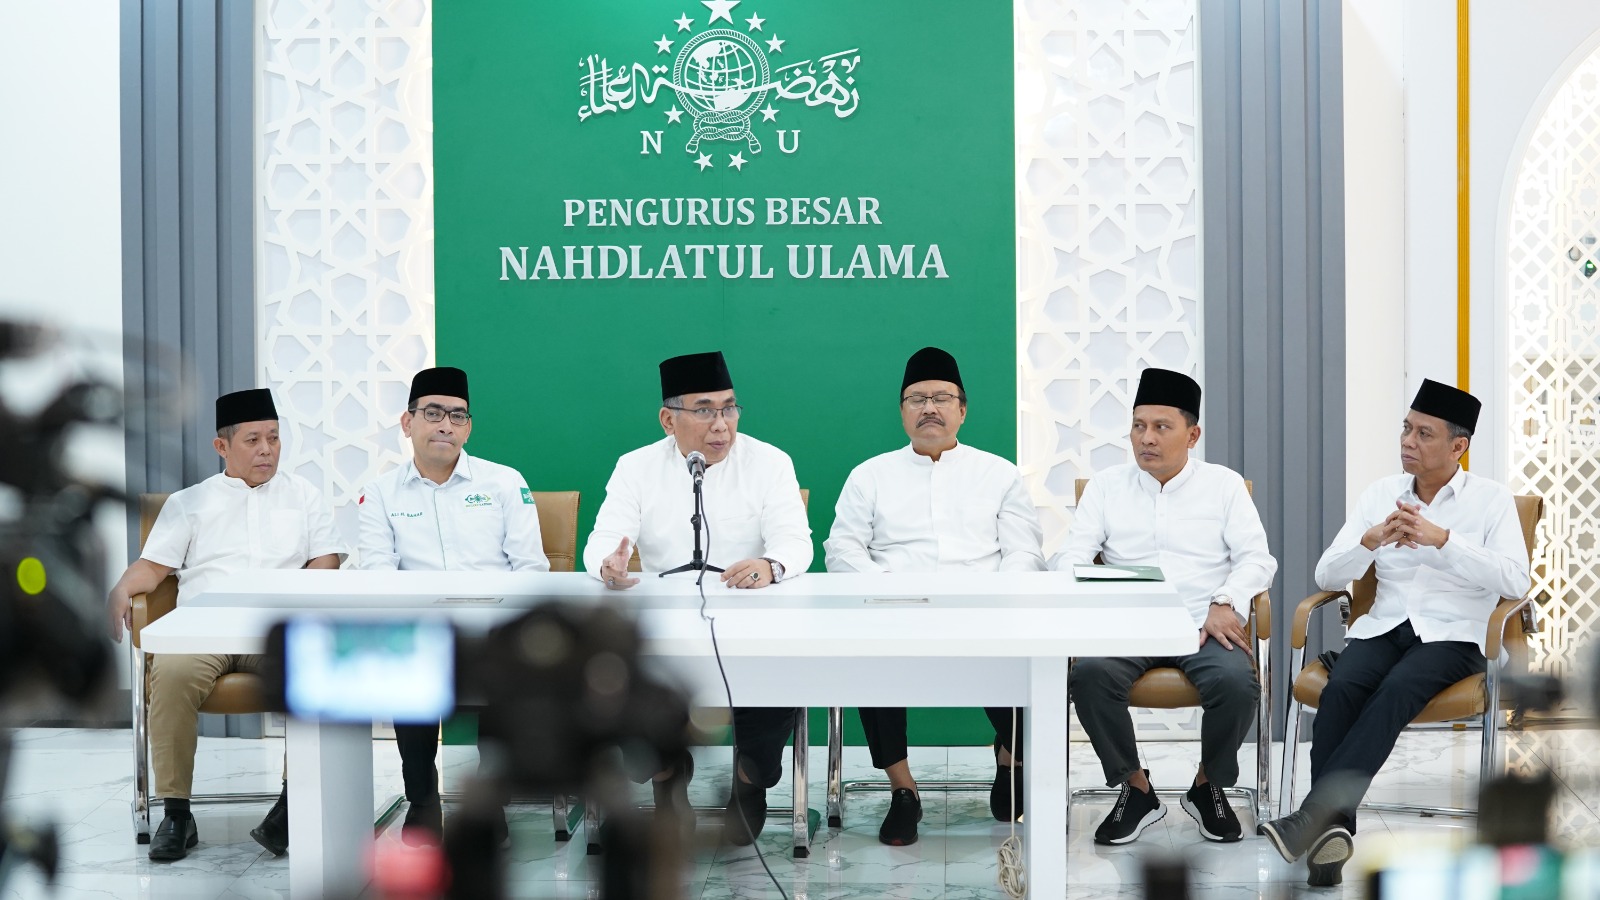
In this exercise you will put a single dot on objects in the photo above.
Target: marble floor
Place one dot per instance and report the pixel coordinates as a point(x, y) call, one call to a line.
point(80, 780)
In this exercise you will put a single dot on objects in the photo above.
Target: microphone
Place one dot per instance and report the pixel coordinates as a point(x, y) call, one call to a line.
point(697, 465)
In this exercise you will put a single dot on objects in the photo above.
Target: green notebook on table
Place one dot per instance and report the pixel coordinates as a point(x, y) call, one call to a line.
point(1117, 573)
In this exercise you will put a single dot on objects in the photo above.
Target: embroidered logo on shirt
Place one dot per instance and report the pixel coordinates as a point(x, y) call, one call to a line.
point(476, 499)
point(405, 515)
point(527, 497)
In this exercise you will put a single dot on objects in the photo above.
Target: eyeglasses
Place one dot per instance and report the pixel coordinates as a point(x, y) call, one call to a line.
point(941, 400)
point(709, 413)
point(437, 414)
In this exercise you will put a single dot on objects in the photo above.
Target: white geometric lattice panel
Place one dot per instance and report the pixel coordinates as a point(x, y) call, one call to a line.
point(1108, 228)
point(1554, 265)
point(344, 227)
point(1107, 238)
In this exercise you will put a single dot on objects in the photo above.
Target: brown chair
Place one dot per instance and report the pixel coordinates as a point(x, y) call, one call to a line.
point(1168, 688)
point(558, 527)
point(236, 693)
point(1477, 696)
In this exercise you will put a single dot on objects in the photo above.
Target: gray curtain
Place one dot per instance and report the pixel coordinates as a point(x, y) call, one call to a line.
point(188, 306)
point(1272, 176)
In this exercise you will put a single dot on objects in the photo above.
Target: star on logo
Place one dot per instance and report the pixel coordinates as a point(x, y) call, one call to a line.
point(720, 9)
point(704, 162)
point(755, 22)
point(736, 161)
point(664, 45)
point(769, 114)
point(674, 114)
point(775, 44)
point(683, 22)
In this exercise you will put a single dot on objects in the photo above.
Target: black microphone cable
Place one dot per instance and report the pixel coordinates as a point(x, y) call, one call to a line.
point(733, 788)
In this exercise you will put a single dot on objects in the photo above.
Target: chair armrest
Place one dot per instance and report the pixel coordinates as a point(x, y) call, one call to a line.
point(1503, 612)
point(141, 617)
point(1302, 614)
point(1261, 612)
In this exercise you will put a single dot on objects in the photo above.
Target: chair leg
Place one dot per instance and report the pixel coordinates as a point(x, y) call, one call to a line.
point(835, 767)
point(1263, 810)
point(141, 749)
point(1489, 763)
point(1291, 740)
point(800, 817)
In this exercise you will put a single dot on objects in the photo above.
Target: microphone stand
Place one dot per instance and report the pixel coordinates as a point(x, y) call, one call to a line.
point(698, 562)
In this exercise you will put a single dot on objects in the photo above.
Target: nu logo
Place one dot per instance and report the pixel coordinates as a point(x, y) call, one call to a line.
point(722, 78)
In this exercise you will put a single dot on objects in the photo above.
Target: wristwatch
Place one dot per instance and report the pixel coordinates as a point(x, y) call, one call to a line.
point(777, 569)
point(1222, 600)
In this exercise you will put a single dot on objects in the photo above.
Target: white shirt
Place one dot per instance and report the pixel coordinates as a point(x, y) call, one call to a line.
point(222, 526)
point(1201, 528)
point(752, 505)
point(1447, 592)
point(902, 512)
point(482, 518)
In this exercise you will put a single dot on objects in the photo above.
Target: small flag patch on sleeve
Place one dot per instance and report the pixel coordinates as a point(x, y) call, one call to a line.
point(527, 496)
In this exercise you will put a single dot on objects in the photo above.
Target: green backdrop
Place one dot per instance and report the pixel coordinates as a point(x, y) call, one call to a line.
point(554, 121)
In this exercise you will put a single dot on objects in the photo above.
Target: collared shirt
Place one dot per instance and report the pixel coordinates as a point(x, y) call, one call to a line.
point(481, 519)
point(222, 525)
point(1201, 528)
point(752, 506)
point(1447, 592)
point(902, 512)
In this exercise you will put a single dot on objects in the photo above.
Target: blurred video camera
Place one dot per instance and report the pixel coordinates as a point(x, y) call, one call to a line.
point(52, 563)
point(565, 707)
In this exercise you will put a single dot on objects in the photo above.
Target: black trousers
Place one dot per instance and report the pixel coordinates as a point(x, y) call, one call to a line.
point(886, 732)
point(759, 734)
point(1374, 691)
point(419, 749)
point(1229, 692)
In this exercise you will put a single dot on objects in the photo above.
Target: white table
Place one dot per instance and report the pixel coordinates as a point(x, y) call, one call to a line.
point(953, 639)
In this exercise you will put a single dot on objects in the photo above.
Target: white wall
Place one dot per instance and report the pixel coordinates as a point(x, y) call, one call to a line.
point(1401, 196)
point(1375, 241)
point(60, 203)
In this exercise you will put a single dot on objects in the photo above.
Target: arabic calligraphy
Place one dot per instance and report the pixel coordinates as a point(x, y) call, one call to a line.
point(613, 90)
point(799, 81)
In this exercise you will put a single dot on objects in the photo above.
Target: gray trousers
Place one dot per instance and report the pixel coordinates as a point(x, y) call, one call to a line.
point(1226, 680)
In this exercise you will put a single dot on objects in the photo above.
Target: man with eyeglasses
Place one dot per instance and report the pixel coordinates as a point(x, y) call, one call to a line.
point(756, 531)
point(935, 505)
point(443, 510)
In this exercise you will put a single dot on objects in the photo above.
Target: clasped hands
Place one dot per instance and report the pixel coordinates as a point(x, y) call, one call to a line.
point(1405, 527)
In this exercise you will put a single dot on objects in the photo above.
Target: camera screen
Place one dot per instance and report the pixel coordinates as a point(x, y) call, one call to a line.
point(369, 671)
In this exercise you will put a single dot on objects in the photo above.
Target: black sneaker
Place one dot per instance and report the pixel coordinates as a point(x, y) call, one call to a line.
point(1327, 856)
point(1292, 834)
point(273, 832)
point(424, 824)
point(1208, 807)
point(746, 814)
point(1004, 802)
point(1134, 811)
point(174, 837)
point(899, 827)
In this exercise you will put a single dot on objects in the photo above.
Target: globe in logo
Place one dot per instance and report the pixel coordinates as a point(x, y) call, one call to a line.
point(721, 78)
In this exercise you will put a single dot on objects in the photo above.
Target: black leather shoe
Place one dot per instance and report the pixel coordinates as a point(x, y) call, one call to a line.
point(273, 832)
point(746, 814)
point(173, 838)
point(424, 824)
point(899, 828)
point(1005, 795)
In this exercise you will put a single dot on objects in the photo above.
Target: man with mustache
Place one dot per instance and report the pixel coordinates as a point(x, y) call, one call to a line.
point(249, 516)
point(1447, 545)
point(444, 510)
point(756, 531)
point(1196, 521)
point(935, 505)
